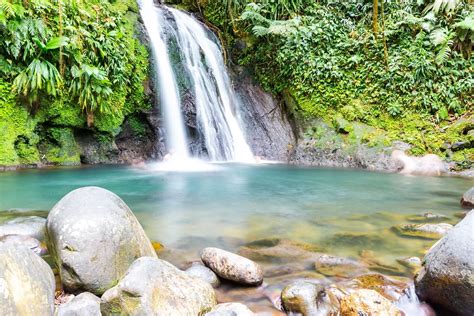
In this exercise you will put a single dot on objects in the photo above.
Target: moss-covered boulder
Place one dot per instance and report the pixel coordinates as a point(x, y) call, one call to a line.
point(301, 297)
point(447, 276)
point(424, 231)
point(155, 287)
point(367, 302)
point(27, 282)
point(94, 237)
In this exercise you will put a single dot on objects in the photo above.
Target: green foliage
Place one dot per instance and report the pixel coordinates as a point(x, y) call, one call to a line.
point(71, 61)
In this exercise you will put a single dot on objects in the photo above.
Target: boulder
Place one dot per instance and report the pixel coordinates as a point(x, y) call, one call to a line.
point(155, 287)
point(447, 276)
point(428, 165)
point(84, 304)
point(22, 240)
point(367, 302)
point(32, 226)
point(26, 282)
point(232, 267)
point(94, 237)
point(204, 273)
point(425, 231)
point(467, 199)
point(230, 309)
point(301, 297)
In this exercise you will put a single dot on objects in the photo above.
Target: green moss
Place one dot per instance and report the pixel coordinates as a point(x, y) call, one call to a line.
point(59, 147)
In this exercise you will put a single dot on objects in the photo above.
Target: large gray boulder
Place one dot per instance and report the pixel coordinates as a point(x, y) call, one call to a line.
point(26, 282)
point(155, 287)
point(467, 199)
point(447, 276)
point(204, 273)
point(32, 226)
point(93, 238)
point(84, 304)
point(232, 267)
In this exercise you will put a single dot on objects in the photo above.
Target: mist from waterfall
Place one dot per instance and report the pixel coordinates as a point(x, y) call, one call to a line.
point(217, 107)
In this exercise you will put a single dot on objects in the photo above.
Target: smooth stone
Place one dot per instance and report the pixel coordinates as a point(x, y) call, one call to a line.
point(155, 287)
point(230, 309)
point(26, 282)
point(426, 231)
point(22, 240)
point(428, 165)
point(367, 302)
point(467, 199)
point(84, 304)
point(204, 273)
point(338, 266)
point(93, 238)
point(388, 287)
point(301, 297)
point(32, 226)
point(231, 266)
point(447, 276)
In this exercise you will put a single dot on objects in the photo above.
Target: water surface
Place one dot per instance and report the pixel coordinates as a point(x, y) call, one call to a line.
point(342, 210)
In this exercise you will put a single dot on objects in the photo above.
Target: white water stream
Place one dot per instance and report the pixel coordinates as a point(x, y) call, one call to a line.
point(216, 105)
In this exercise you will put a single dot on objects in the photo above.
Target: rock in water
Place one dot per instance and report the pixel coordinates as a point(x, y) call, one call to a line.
point(232, 267)
point(467, 199)
point(26, 282)
point(94, 238)
point(447, 276)
point(230, 309)
point(204, 273)
point(367, 302)
point(425, 231)
point(155, 287)
point(32, 226)
point(301, 297)
point(85, 304)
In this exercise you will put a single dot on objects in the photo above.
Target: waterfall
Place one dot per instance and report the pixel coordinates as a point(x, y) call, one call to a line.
point(169, 96)
point(217, 108)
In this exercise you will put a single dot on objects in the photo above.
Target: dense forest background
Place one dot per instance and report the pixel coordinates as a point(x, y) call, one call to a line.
point(403, 69)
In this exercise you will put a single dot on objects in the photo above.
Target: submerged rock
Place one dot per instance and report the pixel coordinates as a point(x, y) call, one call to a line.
point(426, 231)
point(26, 283)
point(367, 302)
point(204, 273)
point(427, 217)
point(230, 309)
point(154, 287)
point(232, 267)
point(338, 266)
point(301, 297)
point(84, 304)
point(447, 276)
point(32, 226)
point(94, 237)
point(467, 199)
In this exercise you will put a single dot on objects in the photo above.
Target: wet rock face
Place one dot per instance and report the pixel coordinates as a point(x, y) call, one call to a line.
point(204, 273)
point(367, 302)
point(230, 309)
point(232, 267)
point(154, 287)
point(84, 304)
point(447, 276)
point(467, 199)
point(268, 128)
point(301, 297)
point(26, 283)
point(94, 237)
point(32, 226)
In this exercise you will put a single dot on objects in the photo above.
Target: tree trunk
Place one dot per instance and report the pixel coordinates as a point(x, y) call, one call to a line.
point(375, 15)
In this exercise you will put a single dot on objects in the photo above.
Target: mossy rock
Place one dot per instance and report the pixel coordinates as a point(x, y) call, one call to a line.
point(423, 231)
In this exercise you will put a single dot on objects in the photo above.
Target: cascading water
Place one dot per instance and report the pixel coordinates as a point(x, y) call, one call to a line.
point(169, 95)
point(216, 104)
